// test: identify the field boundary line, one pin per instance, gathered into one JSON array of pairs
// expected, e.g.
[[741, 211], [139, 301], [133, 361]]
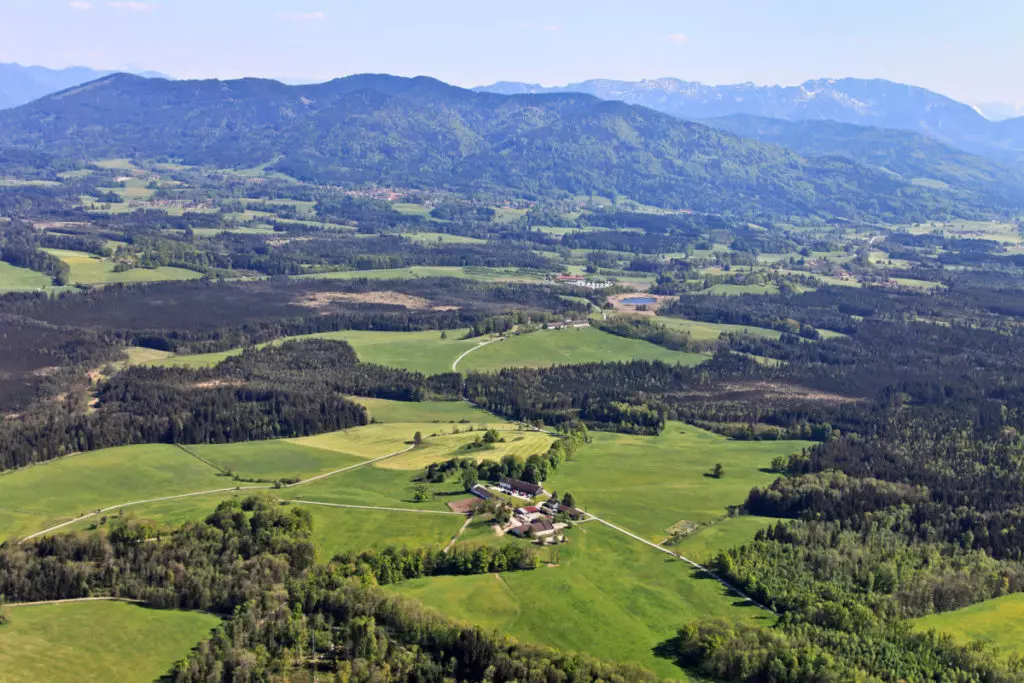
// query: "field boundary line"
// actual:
[[142, 502], [66, 601], [455, 365], [350, 467], [200, 458], [369, 507], [695, 565], [458, 534]]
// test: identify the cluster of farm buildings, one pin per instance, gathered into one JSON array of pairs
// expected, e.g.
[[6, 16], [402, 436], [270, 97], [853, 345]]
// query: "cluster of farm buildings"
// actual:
[[581, 281], [532, 521]]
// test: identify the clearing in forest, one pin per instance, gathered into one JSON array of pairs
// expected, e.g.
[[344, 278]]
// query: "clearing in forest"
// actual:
[[998, 622]]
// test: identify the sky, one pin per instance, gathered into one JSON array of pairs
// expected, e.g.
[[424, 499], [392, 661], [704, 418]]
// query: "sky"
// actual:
[[969, 50]]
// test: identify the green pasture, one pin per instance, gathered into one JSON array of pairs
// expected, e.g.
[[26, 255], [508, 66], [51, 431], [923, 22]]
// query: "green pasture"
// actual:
[[423, 352], [14, 279], [648, 483], [340, 530], [442, 238], [97, 642], [376, 486], [701, 331], [383, 410], [608, 596], [703, 544], [571, 346], [998, 622], [272, 460], [40, 496], [735, 290], [89, 269]]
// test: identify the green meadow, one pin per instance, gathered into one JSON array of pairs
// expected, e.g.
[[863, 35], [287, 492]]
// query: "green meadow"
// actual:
[[998, 622], [89, 269], [272, 460], [14, 279], [383, 410], [423, 352], [559, 347], [96, 642], [49, 493], [701, 331], [608, 596], [649, 483]]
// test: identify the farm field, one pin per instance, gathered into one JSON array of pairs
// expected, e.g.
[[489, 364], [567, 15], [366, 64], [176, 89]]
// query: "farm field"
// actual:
[[520, 444], [97, 642], [340, 530], [609, 596], [89, 269], [443, 238], [555, 347], [733, 290], [702, 545], [702, 331], [383, 410], [468, 272], [648, 483], [998, 622], [272, 460], [423, 352], [40, 496], [376, 486], [14, 279]]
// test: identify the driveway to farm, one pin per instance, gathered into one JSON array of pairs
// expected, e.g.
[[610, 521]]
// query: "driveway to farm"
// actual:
[[455, 365], [687, 560]]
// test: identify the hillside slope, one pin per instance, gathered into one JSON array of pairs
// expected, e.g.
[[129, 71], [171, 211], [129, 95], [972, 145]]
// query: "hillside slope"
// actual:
[[22, 84], [421, 132], [866, 102]]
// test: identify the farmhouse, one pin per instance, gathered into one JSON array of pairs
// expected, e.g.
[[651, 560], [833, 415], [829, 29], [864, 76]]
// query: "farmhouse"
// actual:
[[521, 488], [480, 492], [540, 528]]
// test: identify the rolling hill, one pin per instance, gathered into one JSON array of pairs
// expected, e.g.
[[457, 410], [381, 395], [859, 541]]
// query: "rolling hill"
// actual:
[[421, 132], [22, 84]]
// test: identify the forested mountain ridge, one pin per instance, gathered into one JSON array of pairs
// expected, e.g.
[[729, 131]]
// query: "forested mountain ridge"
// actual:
[[22, 84], [869, 102], [913, 156], [423, 133]]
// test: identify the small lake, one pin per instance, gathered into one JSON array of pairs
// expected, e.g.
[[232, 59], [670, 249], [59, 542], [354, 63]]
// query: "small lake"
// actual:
[[640, 301]]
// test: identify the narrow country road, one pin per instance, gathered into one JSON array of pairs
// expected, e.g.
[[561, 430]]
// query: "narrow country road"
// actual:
[[687, 560], [372, 507], [455, 365], [262, 487]]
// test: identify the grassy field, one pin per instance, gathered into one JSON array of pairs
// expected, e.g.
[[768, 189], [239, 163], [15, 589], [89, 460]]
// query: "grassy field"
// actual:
[[468, 272], [40, 496], [998, 622], [89, 269], [14, 279], [383, 410], [701, 331], [443, 238], [703, 544], [339, 530], [609, 596], [96, 642], [521, 444], [377, 487], [733, 290], [423, 352], [554, 347], [273, 460], [646, 484]]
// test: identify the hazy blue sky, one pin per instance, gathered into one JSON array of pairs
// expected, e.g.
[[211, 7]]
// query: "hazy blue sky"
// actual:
[[971, 50]]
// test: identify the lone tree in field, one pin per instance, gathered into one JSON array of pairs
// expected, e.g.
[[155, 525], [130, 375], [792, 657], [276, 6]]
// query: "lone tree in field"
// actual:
[[470, 478], [718, 472], [417, 439]]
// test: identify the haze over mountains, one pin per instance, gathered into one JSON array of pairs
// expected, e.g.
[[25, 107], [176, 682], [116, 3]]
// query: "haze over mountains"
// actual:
[[875, 102], [422, 132], [22, 84]]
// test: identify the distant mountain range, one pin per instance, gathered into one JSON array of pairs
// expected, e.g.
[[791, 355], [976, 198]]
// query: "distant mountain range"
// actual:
[[877, 103], [22, 84], [423, 133]]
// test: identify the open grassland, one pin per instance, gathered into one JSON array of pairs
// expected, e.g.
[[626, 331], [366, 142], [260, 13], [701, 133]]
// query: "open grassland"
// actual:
[[423, 352], [443, 238], [735, 290], [340, 530], [383, 410], [521, 444], [704, 543], [649, 483], [14, 279], [376, 486], [480, 273], [560, 347], [115, 164], [998, 622], [96, 642], [272, 460], [89, 269], [701, 331], [40, 496], [609, 596]]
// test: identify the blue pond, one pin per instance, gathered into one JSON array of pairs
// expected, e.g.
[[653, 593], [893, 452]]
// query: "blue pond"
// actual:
[[640, 301]]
